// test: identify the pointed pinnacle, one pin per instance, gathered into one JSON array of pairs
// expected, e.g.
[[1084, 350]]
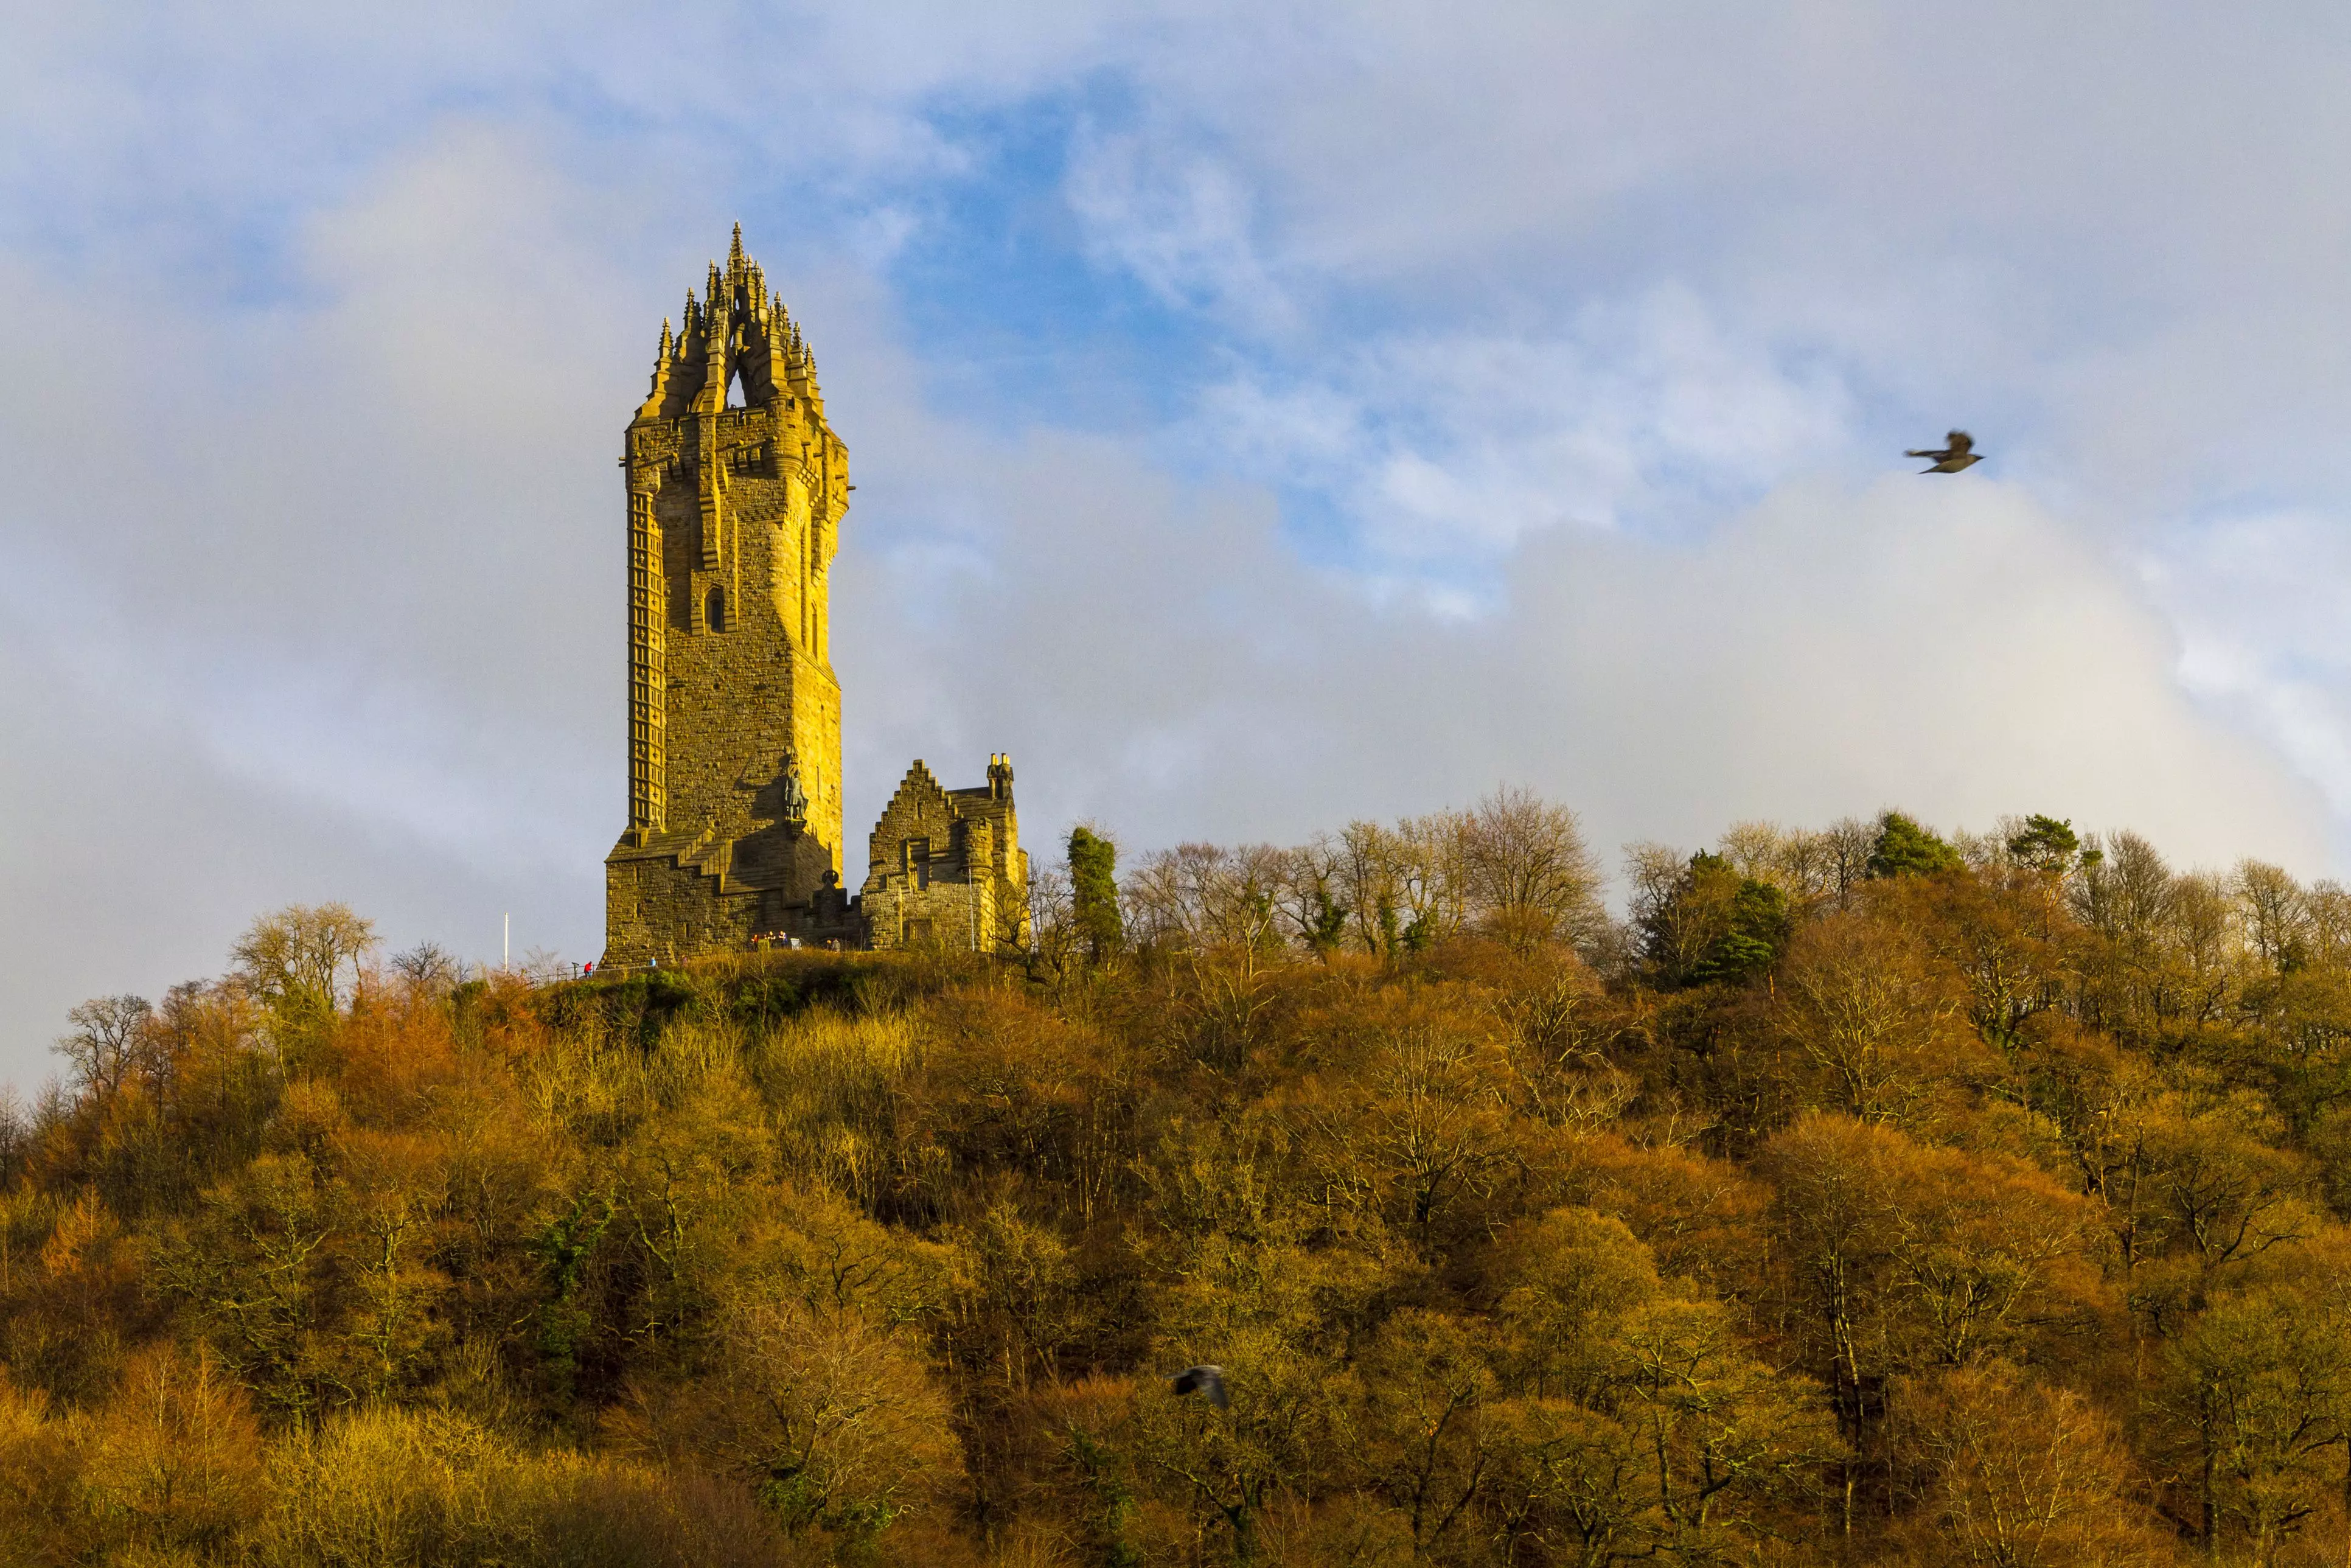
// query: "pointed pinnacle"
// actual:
[[735, 253]]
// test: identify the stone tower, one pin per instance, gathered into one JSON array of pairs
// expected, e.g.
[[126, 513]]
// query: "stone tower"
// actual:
[[736, 491]]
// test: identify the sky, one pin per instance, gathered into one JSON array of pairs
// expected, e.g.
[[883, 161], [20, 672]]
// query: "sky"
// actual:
[[1264, 416]]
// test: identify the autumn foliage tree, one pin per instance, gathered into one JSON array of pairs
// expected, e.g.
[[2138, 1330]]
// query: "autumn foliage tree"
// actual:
[[1865, 1195]]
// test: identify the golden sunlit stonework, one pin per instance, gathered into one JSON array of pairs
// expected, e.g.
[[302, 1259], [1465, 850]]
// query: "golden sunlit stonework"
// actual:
[[736, 489], [946, 866]]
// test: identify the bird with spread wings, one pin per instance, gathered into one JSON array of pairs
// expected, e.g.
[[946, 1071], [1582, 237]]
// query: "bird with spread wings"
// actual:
[[1208, 1382], [1956, 455]]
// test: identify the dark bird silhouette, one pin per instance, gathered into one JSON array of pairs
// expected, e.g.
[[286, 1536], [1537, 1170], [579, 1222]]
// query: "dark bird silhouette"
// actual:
[[1953, 457], [1206, 1380]]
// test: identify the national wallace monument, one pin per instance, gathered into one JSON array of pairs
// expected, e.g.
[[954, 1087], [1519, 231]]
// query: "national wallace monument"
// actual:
[[737, 489]]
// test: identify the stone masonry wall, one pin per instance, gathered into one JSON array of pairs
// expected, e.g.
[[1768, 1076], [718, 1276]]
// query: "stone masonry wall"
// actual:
[[945, 866]]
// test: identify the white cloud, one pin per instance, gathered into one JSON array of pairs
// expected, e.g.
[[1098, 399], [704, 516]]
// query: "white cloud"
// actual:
[[1185, 232], [1448, 450], [1165, 663]]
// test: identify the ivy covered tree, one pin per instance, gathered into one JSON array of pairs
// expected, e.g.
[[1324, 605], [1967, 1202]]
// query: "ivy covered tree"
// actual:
[[1093, 892]]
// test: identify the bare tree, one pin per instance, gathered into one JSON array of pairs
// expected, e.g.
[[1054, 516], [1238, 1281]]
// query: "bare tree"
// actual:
[[15, 1143], [1527, 872], [1861, 1001], [1848, 844], [2127, 894], [1806, 866], [2276, 914], [1368, 868], [303, 959], [1434, 882], [429, 967], [1201, 898], [1307, 894], [108, 1042], [1210, 913], [1056, 943], [2327, 916]]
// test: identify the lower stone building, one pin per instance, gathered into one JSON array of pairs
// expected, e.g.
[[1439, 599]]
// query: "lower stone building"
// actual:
[[946, 869]]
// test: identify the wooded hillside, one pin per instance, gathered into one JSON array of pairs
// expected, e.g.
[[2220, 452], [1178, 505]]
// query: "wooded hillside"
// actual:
[[1864, 1196]]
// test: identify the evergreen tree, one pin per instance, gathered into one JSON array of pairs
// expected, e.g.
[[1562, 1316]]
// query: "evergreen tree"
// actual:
[[1905, 849], [1756, 930], [2045, 843]]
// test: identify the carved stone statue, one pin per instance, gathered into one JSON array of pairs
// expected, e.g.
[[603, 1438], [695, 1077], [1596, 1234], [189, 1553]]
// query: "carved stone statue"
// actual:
[[795, 797]]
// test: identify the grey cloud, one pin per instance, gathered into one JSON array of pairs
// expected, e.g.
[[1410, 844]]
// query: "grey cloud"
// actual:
[[313, 524]]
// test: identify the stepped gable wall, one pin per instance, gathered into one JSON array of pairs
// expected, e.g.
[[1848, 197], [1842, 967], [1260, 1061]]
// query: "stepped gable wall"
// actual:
[[946, 868]]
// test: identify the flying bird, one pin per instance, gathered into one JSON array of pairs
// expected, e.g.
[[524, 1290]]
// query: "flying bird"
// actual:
[[1953, 457], [1205, 1380]]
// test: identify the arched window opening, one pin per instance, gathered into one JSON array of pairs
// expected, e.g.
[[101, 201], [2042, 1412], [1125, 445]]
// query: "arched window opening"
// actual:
[[715, 610]]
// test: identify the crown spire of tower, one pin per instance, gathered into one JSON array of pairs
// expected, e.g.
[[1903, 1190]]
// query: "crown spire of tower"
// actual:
[[735, 333]]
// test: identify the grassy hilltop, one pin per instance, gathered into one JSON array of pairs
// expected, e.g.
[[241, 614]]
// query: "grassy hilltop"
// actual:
[[1863, 1197]]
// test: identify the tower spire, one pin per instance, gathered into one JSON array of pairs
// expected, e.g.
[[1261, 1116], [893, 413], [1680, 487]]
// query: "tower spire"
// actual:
[[664, 361], [735, 253]]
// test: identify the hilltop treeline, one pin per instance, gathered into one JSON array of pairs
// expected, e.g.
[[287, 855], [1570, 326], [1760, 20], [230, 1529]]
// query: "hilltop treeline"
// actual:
[[1861, 1196]]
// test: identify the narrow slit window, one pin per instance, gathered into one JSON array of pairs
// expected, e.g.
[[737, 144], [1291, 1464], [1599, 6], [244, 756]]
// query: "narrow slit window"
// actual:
[[715, 610]]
